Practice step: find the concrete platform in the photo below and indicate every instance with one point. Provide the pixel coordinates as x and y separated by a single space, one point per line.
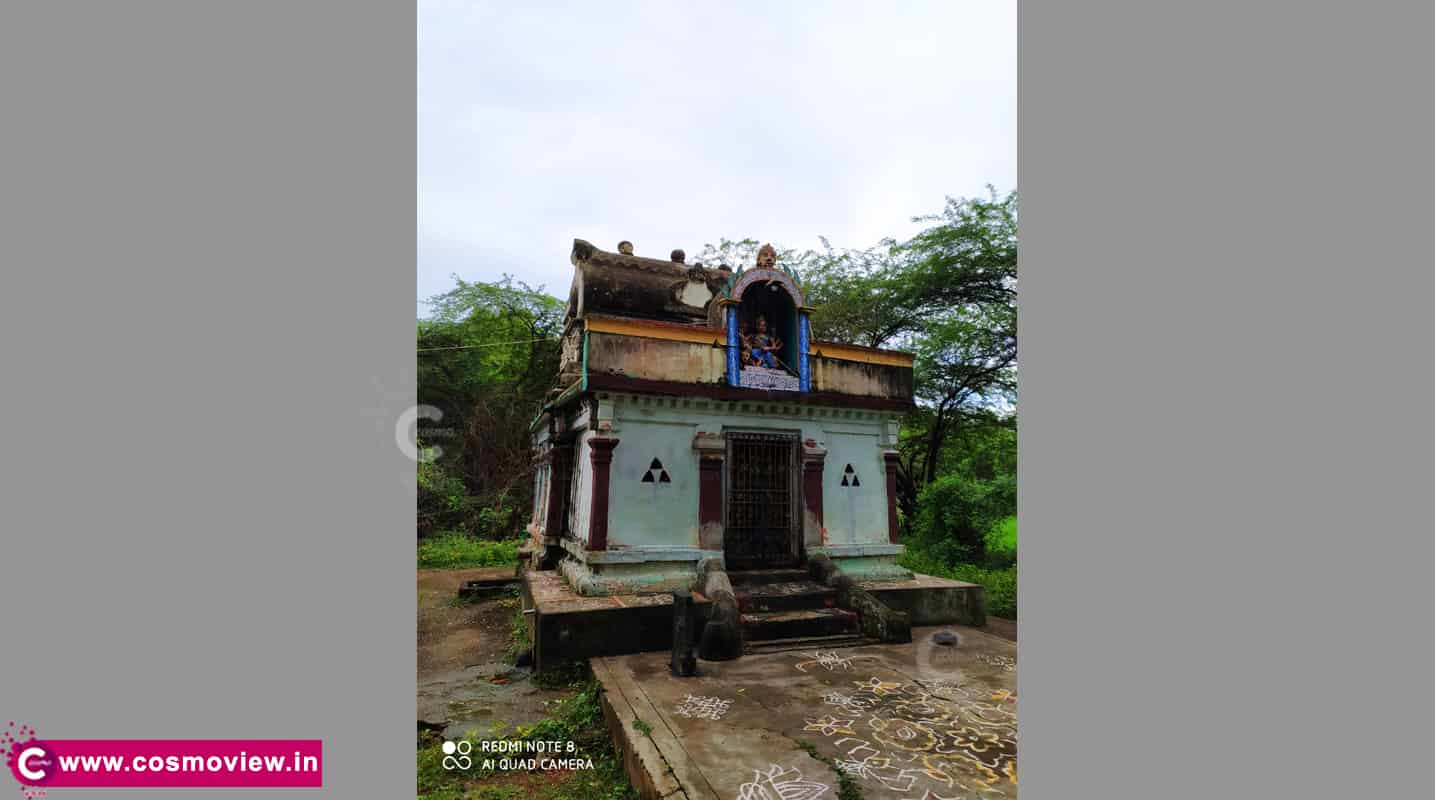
564 624
902 721
929 600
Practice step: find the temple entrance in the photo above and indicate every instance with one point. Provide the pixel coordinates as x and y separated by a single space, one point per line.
762 525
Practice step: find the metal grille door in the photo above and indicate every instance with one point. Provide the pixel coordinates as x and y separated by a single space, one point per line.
761 527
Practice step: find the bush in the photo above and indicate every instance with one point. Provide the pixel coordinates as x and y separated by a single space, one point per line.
443 500
445 504
955 512
454 550
1001 544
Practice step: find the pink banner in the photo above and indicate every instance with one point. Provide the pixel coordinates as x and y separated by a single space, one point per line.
159 763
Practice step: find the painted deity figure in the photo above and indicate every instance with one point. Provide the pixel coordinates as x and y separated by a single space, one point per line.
761 345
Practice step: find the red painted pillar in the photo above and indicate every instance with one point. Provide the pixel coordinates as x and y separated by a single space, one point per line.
712 454
560 469
602 458
812 486
891 460
710 489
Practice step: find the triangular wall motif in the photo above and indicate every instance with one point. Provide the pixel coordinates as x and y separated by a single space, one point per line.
656 473
849 477
844 480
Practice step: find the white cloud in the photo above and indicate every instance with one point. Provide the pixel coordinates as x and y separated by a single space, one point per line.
673 125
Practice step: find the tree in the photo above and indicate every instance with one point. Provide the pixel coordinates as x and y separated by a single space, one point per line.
486 357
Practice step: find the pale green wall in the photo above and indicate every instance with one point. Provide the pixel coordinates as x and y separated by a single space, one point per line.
655 513
855 514
666 515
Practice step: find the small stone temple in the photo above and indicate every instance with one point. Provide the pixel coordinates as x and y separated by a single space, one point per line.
695 418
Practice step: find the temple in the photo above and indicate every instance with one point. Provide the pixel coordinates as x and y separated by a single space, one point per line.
695 417
699 445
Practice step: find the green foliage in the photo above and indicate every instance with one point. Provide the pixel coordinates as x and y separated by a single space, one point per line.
443 500
517 636
564 674
578 719
642 727
955 512
435 782
454 550
486 357
1001 544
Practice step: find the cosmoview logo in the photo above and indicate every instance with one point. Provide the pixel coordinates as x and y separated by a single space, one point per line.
35 763
40 766
406 433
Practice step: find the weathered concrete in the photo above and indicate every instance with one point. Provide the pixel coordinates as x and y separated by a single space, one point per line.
929 600
564 624
879 622
900 720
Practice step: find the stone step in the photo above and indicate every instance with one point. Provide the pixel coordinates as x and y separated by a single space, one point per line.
784 596
807 643
753 577
765 625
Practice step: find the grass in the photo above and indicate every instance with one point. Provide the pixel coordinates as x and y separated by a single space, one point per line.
577 719
517 636
999 584
451 550
847 788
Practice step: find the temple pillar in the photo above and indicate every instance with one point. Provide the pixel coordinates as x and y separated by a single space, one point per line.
890 457
813 458
601 456
555 518
712 455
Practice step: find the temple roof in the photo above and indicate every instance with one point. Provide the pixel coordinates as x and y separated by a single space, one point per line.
616 284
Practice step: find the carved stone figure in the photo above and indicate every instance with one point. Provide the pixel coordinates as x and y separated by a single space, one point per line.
766 257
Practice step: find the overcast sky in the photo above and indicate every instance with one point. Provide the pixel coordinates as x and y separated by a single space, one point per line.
676 124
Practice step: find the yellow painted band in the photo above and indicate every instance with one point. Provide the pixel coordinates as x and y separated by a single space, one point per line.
644 330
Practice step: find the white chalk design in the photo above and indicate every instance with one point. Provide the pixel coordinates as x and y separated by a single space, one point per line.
1007 663
829 661
780 783
698 707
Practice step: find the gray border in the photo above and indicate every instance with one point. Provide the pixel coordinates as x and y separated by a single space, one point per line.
208 227
208 235
1224 399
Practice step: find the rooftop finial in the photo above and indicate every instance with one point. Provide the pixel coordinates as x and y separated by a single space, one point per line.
625 247
766 257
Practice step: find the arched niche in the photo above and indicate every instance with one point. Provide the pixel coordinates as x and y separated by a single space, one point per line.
775 296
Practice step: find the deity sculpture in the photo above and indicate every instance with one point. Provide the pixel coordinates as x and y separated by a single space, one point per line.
760 346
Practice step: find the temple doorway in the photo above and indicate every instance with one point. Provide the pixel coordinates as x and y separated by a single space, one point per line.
762 526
